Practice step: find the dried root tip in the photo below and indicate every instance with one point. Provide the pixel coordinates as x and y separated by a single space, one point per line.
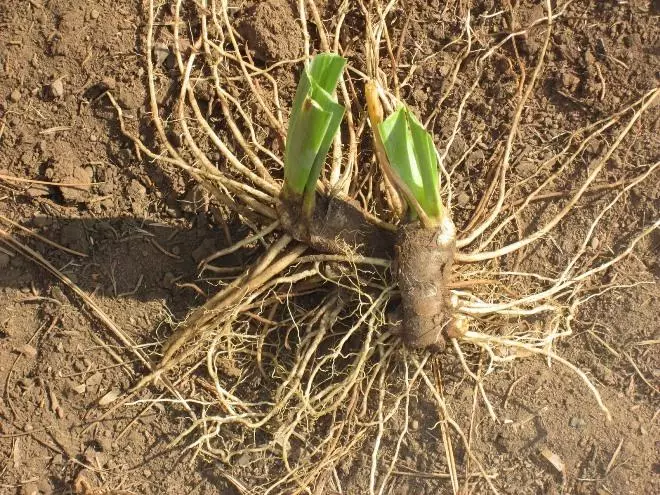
458 326
337 226
424 261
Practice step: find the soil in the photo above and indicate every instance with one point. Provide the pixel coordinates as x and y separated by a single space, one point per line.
140 230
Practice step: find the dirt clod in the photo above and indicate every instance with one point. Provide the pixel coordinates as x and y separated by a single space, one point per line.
57 88
271 31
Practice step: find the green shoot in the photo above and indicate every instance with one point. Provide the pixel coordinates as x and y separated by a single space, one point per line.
411 154
314 121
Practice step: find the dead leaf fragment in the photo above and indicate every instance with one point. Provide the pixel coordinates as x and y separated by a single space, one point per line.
553 459
80 389
109 398
27 350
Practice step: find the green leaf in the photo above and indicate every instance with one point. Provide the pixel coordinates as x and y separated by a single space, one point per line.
314 121
309 129
325 70
427 162
411 153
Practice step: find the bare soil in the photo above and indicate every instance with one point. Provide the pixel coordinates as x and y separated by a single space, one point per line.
142 231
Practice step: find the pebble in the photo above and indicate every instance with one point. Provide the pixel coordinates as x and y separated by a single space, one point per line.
80 389
94 14
595 243
57 88
463 199
15 96
576 422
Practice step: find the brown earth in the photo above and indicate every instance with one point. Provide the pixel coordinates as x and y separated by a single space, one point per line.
143 230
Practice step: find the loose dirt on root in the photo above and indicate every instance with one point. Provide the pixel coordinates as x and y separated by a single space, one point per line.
130 234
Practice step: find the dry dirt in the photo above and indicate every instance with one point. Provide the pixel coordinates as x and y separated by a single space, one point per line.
142 231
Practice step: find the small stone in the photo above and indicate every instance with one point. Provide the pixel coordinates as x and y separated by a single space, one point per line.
94 14
80 191
577 422
80 389
15 96
463 199
595 243
414 424
136 190
74 236
93 138
57 88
